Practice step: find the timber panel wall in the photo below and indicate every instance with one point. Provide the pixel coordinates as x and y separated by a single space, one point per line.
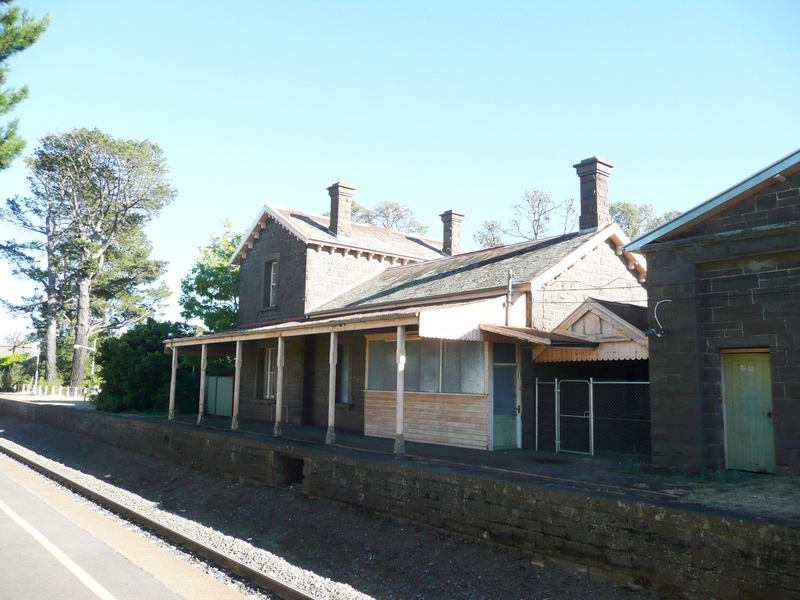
451 419
629 350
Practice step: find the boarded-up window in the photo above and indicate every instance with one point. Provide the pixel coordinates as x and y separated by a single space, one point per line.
447 366
382 366
472 368
451 367
422 366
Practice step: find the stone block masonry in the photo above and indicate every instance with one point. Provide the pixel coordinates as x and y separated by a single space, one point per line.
733 282
692 553
600 274
689 553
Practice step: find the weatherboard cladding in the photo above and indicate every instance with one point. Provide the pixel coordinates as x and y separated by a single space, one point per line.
364 237
474 272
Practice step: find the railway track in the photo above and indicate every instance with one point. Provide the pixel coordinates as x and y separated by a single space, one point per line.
279 588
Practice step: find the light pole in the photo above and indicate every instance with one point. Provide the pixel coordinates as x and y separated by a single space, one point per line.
36 377
93 350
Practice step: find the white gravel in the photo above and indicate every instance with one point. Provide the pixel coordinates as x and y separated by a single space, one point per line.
274 566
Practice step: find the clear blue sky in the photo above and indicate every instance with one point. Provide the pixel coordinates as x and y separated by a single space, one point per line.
437 105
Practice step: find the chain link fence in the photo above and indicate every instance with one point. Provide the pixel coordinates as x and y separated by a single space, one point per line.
593 417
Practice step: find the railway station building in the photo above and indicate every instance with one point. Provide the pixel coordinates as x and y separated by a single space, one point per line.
356 327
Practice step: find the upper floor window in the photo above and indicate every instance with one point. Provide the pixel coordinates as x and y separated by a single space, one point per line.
270 291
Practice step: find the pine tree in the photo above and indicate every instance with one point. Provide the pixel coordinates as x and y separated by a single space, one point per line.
18 30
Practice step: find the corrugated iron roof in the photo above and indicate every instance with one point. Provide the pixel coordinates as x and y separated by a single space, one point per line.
536 336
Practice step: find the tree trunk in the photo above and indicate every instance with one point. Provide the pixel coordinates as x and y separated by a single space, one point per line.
81 332
51 311
51 339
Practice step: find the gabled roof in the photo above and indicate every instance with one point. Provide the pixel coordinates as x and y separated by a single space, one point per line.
616 328
313 231
774 173
632 313
474 274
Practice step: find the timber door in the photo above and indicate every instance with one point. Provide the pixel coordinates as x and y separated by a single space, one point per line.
219 396
505 400
747 405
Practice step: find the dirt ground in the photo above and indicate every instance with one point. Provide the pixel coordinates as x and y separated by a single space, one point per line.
380 556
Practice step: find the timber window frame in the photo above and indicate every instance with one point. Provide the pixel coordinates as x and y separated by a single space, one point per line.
344 373
269 289
446 373
266 373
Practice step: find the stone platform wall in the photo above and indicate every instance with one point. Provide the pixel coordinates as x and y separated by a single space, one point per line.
693 554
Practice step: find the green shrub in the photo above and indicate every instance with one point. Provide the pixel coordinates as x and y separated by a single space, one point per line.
14 371
137 372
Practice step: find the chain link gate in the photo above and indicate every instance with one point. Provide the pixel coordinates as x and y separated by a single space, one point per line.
574 417
585 416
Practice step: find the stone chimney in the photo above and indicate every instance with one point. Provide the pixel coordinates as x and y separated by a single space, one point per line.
341 208
594 174
452 220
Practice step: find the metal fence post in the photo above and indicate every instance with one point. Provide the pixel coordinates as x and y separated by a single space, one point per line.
558 412
591 416
536 417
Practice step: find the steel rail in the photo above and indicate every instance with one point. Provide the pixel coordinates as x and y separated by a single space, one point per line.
282 589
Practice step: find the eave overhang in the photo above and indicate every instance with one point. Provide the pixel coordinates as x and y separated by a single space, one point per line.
297 328
537 337
343 246
774 173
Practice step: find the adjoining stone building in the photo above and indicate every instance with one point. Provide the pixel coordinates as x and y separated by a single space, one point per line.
724 278
358 327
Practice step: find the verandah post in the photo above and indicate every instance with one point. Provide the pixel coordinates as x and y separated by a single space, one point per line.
277 431
333 358
171 414
237 378
203 365
399 440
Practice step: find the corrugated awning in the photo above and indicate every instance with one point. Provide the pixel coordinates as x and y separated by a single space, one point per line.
534 336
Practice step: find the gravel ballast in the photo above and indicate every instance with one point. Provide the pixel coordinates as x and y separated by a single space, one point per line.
312 544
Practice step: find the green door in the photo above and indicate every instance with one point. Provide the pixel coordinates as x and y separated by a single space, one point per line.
747 397
504 397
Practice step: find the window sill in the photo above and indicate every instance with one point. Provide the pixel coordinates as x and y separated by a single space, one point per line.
344 406
267 401
266 309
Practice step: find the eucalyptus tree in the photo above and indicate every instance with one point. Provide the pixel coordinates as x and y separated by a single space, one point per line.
47 222
490 235
388 214
100 192
637 219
